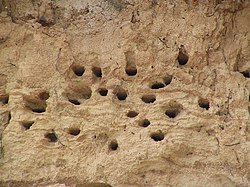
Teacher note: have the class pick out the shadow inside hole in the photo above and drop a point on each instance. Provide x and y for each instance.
(132, 71)
(121, 95)
(103, 91)
(27, 124)
(168, 79)
(145, 123)
(172, 113)
(51, 136)
(97, 71)
(132, 114)
(43, 95)
(203, 103)
(78, 70)
(75, 101)
(246, 73)
(157, 136)
(148, 98)
(157, 85)
(182, 56)
(39, 109)
(4, 99)
(74, 131)
(113, 145)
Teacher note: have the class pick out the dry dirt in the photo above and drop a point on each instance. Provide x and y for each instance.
(125, 93)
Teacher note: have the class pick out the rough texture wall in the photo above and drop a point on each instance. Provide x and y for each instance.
(124, 93)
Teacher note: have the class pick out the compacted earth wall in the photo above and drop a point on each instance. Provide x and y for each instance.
(125, 93)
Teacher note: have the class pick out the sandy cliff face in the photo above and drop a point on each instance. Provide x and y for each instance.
(124, 93)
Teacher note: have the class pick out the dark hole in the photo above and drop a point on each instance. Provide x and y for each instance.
(121, 95)
(4, 99)
(78, 70)
(9, 117)
(132, 114)
(44, 95)
(97, 71)
(27, 124)
(203, 103)
(157, 136)
(145, 123)
(157, 85)
(103, 92)
(131, 71)
(148, 98)
(51, 136)
(74, 131)
(246, 73)
(113, 145)
(42, 20)
(182, 57)
(74, 101)
(38, 110)
(172, 113)
(168, 79)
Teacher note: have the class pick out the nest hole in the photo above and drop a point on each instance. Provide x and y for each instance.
(103, 91)
(203, 103)
(132, 114)
(148, 98)
(172, 113)
(4, 99)
(78, 70)
(132, 71)
(39, 109)
(157, 85)
(157, 136)
(121, 95)
(74, 131)
(113, 145)
(51, 136)
(182, 56)
(144, 123)
(97, 71)
(75, 101)
(27, 124)
(246, 73)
